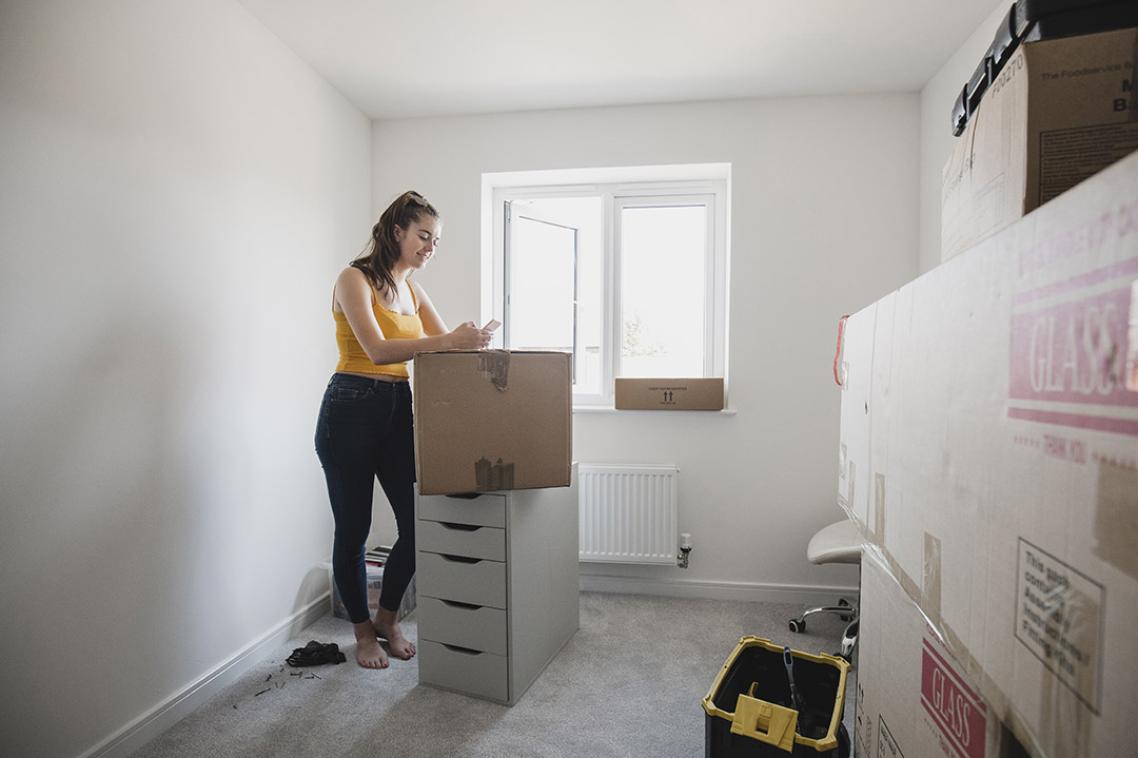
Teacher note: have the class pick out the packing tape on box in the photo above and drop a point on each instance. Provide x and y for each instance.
(1065, 722)
(1133, 105)
(851, 489)
(930, 579)
(844, 465)
(1130, 379)
(490, 477)
(879, 508)
(1116, 516)
(495, 365)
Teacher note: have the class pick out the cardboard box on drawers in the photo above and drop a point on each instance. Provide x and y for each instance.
(492, 420)
(1058, 112)
(913, 698)
(989, 446)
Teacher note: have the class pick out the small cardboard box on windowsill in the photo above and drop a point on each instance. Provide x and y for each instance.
(671, 394)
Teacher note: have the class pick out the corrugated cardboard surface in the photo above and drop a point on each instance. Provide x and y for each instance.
(993, 443)
(671, 394)
(492, 420)
(1060, 111)
(913, 699)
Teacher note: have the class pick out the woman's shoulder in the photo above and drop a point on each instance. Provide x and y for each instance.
(351, 275)
(353, 285)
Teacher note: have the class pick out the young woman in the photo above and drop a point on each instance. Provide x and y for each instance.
(383, 317)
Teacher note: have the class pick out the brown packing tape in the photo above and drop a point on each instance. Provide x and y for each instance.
(1116, 517)
(491, 476)
(1066, 722)
(1130, 379)
(495, 364)
(930, 581)
(1133, 104)
(879, 509)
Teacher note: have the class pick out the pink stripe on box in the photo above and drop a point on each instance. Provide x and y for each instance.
(1104, 274)
(1077, 420)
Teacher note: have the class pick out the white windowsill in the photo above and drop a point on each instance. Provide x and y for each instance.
(601, 409)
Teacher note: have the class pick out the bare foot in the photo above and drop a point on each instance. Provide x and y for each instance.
(388, 629)
(369, 654)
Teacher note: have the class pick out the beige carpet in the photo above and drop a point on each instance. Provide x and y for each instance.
(629, 683)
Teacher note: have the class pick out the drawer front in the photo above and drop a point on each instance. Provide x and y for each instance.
(477, 627)
(473, 581)
(486, 542)
(481, 510)
(470, 671)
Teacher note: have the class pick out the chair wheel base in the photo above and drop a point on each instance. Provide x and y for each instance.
(797, 625)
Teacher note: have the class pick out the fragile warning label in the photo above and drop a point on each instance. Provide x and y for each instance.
(958, 713)
(1059, 613)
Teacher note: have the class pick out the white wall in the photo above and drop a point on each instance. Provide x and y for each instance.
(825, 222)
(178, 192)
(937, 141)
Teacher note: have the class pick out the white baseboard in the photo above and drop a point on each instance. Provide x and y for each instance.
(797, 594)
(164, 715)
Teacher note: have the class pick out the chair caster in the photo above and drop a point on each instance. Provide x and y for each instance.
(797, 625)
(849, 641)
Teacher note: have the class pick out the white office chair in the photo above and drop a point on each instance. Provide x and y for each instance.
(836, 543)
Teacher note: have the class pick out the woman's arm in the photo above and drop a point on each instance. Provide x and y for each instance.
(353, 294)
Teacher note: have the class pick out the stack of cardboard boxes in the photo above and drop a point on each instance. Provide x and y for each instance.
(989, 454)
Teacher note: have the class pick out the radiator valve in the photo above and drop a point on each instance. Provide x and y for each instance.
(685, 550)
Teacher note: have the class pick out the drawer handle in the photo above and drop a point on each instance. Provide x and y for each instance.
(456, 604)
(466, 495)
(459, 527)
(459, 558)
(463, 650)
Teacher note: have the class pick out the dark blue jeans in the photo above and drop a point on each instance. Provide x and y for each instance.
(365, 431)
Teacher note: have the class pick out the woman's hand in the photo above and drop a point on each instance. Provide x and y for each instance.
(467, 336)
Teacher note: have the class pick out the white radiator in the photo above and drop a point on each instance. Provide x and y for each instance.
(628, 513)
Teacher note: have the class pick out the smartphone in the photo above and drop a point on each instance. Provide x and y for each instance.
(491, 325)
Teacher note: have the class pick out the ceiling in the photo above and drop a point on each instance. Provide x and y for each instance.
(445, 57)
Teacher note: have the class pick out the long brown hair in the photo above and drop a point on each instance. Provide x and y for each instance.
(383, 251)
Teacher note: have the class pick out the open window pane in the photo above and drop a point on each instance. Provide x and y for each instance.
(544, 259)
(663, 261)
(556, 282)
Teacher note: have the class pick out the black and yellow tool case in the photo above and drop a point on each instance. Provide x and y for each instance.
(769, 700)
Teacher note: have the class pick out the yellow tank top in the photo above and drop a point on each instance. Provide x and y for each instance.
(393, 325)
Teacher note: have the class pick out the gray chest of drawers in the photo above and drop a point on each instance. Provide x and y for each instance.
(496, 579)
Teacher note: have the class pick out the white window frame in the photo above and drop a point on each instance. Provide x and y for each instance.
(618, 188)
